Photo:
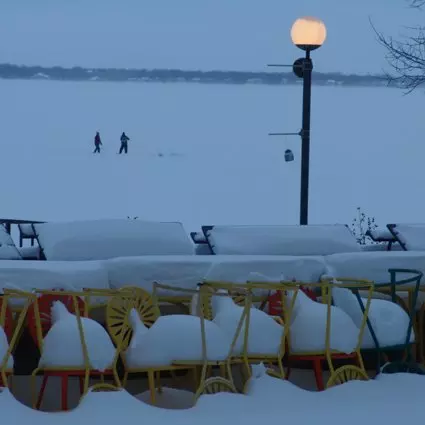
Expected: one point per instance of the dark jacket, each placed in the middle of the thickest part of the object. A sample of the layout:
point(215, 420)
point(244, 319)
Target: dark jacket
point(97, 140)
point(124, 139)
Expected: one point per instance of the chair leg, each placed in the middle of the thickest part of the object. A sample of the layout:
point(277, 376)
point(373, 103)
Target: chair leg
point(64, 392)
point(151, 380)
point(196, 377)
point(81, 382)
point(158, 382)
point(223, 370)
point(41, 393)
point(124, 379)
point(318, 373)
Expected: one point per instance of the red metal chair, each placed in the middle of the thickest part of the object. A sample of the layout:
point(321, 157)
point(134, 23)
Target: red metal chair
point(8, 326)
point(275, 309)
point(45, 302)
point(275, 301)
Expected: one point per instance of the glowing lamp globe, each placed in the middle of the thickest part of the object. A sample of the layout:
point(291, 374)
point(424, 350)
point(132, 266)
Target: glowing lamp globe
point(308, 33)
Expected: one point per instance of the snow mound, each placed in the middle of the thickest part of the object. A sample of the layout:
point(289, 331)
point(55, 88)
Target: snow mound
point(169, 398)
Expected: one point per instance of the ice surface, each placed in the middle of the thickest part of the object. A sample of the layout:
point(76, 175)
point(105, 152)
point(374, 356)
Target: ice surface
point(255, 185)
point(388, 320)
point(62, 344)
point(282, 240)
point(104, 239)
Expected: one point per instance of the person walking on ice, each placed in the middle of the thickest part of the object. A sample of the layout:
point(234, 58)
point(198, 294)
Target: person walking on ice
point(124, 143)
point(97, 143)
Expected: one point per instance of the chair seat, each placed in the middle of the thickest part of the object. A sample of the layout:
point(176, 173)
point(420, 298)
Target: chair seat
point(72, 372)
point(312, 356)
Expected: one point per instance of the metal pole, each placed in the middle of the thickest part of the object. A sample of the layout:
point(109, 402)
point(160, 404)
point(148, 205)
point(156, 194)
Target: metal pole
point(305, 139)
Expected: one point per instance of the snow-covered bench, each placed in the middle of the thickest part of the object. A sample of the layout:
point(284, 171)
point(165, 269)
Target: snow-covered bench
point(279, 239)
point(411, 237)
point(374, 266)
point(135, 252)
point(53, 275)
point(105, 239)
point(187, 271)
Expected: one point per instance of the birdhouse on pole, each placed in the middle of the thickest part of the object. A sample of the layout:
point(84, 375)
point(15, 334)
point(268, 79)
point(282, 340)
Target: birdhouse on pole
point(289, 155)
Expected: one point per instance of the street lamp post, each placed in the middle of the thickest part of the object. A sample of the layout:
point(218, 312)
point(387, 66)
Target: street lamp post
point(308, 34)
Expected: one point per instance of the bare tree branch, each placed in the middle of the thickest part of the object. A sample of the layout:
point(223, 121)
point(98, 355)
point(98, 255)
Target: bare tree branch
point(417, 3)
point(406, 56)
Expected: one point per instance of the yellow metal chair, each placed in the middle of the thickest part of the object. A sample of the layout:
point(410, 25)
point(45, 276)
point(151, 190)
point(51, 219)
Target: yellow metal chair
point(117, 321)
point(39, 323)
point(205, 313)
point(214, 385)
point(12, 329)
point(345, 374)
point(329, 355)
point(242, 294)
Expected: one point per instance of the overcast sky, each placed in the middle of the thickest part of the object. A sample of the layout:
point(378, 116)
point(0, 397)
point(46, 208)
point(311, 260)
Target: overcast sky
point(194, 34)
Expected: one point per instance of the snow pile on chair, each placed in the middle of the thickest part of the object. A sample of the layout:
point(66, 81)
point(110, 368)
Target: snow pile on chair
point(62, 345)
point(264, 334)
point(309, 322)
point(388, 320)
point(174, 338)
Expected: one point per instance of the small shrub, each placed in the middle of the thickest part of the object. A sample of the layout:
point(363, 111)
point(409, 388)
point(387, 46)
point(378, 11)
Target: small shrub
point(361, 225)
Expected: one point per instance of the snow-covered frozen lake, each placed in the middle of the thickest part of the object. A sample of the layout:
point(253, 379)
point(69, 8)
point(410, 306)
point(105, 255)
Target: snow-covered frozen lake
point(201, 154)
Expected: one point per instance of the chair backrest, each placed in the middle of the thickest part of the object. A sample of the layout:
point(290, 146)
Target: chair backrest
point(275, 301)
point(214, 385)
point(44, 303)
point(6, 319)
point(118, 312)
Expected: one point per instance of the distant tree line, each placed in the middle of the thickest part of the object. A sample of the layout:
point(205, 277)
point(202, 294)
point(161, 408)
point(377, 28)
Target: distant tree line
point(9, 71)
